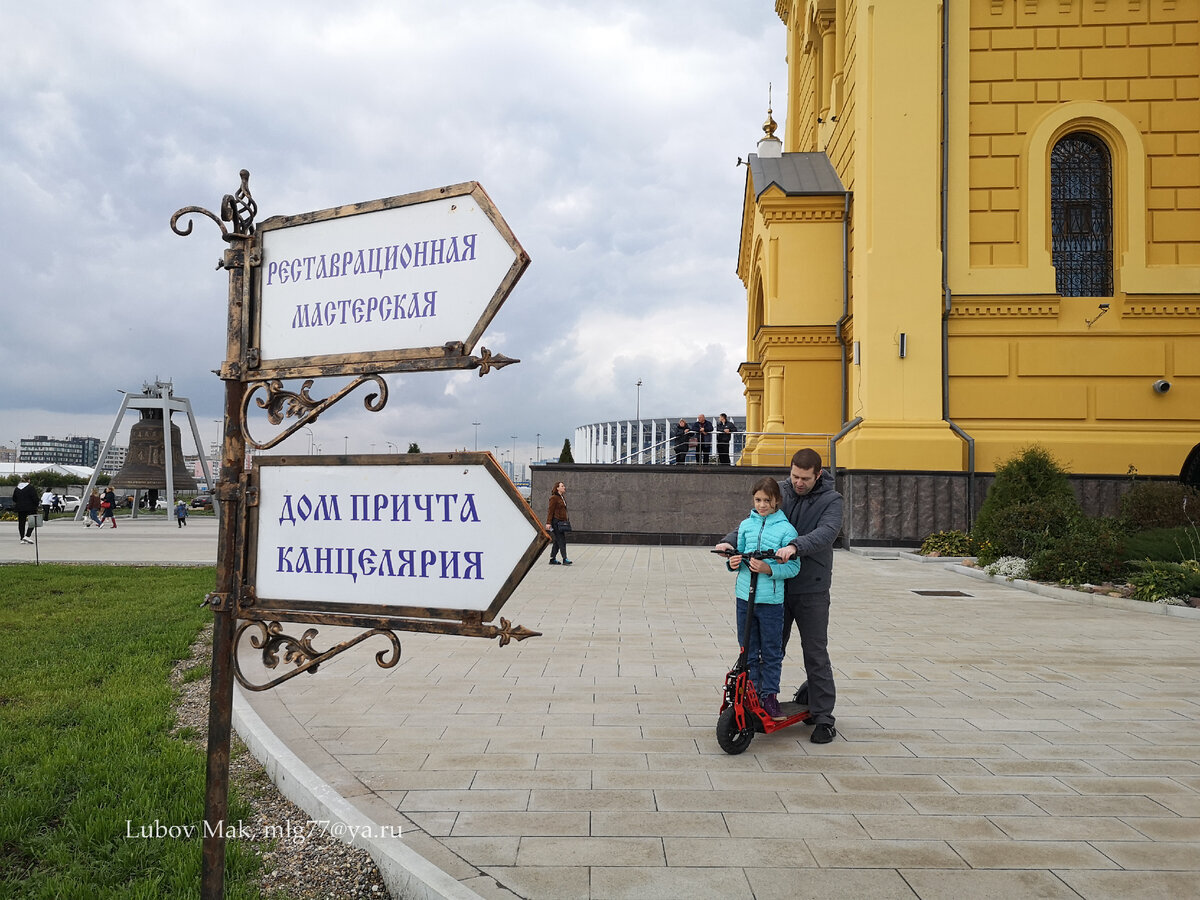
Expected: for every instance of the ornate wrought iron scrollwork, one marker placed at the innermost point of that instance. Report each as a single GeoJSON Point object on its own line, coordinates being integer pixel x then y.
{"type": "Point", "coordinates": [488, 361]}
{"type": "Point", "coordinates": [506, 632]}
{"type": "Point", "coordinates": [281, 404]}
{"type": "Point", "coordinates": [300, 652]}
{"type": "Point", "coordinates": [237, 208]}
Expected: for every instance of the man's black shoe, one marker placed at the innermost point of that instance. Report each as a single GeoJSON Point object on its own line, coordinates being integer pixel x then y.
{"type": "Point", "coordinates": [823, 733]}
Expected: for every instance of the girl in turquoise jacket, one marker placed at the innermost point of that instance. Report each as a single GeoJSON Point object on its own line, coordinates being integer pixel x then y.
{"type": "Point", "coordinates": [766, 528]}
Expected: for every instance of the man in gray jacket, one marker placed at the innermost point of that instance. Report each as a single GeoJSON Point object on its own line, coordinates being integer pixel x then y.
{"type": "Point", "coordinates": [815, 509]}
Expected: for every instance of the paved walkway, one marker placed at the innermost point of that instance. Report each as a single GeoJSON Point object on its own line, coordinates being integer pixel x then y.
{"type": "Point", "coordinates": [994, 744]}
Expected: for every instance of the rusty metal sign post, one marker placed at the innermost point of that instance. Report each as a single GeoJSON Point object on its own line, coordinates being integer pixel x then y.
{"type": "Point", "coordinates": [361, 291]}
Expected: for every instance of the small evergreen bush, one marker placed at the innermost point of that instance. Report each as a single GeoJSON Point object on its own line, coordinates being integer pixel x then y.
{"type": "Point", "coordinates": [948, 543]}
{"type": "Point", "coordinates": [1028, 506]}
{"type": "Point", "coordinates": [1025, 529]}
{"type": "Point", "coordinates": [1089, 552]}
{"type": "Point", "coordinates": [1159, 504]}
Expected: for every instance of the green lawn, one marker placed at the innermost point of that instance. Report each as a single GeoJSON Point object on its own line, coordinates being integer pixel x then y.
{"type": "Point", "coordinates": [86, 757]}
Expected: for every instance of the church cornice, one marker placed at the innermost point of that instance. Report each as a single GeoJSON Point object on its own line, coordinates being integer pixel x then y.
{"type": "Point", "coordinates": [795, 335]}
{"type": "Point", "coordinates": [1005, 309]}
{"type": "Point", "coordinates": [1161, 310]}
{"type": "Point", "coordinates": [772, 215]}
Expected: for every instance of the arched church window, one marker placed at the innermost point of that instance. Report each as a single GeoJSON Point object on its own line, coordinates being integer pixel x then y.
{"type": "Point", "coordinates": [1081, 216]}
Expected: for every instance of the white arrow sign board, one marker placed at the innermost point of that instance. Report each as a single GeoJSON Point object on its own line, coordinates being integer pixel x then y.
{"type": "Point", "coordinates": [446, 535]}
{"type": "Point", "coordinates": [411, 273]}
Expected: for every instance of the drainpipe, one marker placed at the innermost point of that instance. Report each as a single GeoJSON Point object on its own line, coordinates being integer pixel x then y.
{"type": "Point", "coordinates": [946, 294]}
{"type": "Point", "coordinates": [841, 323]}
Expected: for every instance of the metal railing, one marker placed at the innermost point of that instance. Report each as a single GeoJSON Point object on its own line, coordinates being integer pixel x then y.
{"type": "Point", "coordinates": [664, 453]}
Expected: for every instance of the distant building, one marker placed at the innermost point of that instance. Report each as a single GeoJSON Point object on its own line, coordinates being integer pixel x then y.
{"type": "Point", "coordinates": [8, 454]}
{"type": "Point", "coordinates": [618, 442]}
{"type": "Point", "coordinates": [71, 451]}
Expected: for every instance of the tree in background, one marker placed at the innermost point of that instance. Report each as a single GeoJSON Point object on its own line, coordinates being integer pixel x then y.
{"type": "Point", "coordinates": [565, 456]}
{"type": "Point", "coordinates": [413, 448]}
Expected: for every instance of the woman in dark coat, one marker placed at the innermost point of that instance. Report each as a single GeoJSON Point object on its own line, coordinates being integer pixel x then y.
{"type": "Point", "coordinates": [558, 523]}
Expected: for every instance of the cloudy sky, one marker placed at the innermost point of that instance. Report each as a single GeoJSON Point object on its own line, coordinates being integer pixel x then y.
{"type": "Point", "coordinates": [606, 134]}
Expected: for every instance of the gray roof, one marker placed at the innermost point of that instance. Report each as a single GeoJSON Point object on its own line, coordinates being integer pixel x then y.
{"type": "Point", "coordinates": [794, 174]}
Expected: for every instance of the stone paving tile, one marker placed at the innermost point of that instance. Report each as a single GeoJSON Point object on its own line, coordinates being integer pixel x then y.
{"type": "Point", "coordinates": [929, 828]}
{"type": "Point", "coordinates": [541, 883]}
{"type": "Point", "coordinates": [485, 851]}
{"type": "Point", "coordinates": [772, 825]}
{"type": "Point", "coordinates": [591, 800]}
{"type": "Point", "coordinates": [696, 780]}
{"type": "Point", "coordinates": [881, 854]}
{"type": "Point", "coordinates": [973, 805]}
{"type": "Point", "coordinates": [869, 804]}
{"type": "Point", "coordinates": [591, 851]}
{"type": "Point", "coordinates": [1165, 829]}
{"type": "Point", "coordinates": [1163, 856]}
{"type": "Point", "coordinates": [464, 800]}
{"type": "Point", "coordinates": [1075, 828]}
{"type": "Point", "coordinates": [747, 852]}
{"type": "Point", "coordinates": [1032, 854]}
{"type": "Point", "coordinates": [1065, 805]}
{"type": "Point", "coordinates": [474, 823]}
{"type": "Point", "coordinates": [1122, 885]}
{"type": "Point", "coordinates": [718, 801]}
{"type": "Point", "coordinates": [825, 884]}
{"type": "Point", "coordinates": [559, 779]}
{"type": "Point", "coordinates": [664, 824]}
{"type": "Point", "coordinates": [669, 884]}
{"type": "Point", "coordinates": [768, 781]}
{"type": "Point", "coordinates": [932, 884]}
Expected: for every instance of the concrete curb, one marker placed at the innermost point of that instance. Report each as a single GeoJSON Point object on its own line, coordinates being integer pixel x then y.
{"type": "Point", "coordinates": [406, 873]}
{"type": "Point", "coordinates": [1058, 593]}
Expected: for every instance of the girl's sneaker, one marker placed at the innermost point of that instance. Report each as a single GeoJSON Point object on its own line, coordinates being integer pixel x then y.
{"type": "Point", "coordinates": [770, 705]}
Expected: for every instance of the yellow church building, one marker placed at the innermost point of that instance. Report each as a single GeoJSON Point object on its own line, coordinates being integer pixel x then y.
{"type": "Point", "coordinates": [979, 229]}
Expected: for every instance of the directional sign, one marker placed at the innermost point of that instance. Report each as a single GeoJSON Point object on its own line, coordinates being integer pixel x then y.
{"type": "Point", "coordinates": [440, 535]}
{"type": "Point", "coordinates": [369, 285]}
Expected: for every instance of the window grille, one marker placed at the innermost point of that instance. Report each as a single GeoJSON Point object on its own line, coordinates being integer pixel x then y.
{"type": "Point", "coordinates": [1081, 216]}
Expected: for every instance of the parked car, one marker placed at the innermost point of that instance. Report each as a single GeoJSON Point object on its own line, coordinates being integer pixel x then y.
{"type": "Point", "coordinates": [203, 501]}
{"type": "Point", "coordinates": [70, 503]}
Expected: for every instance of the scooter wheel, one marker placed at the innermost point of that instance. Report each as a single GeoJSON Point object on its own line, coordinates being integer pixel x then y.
{"type": "Point", "coordinates": [732, 740]}
{"type": "Point", "coordinates": [802, 694]}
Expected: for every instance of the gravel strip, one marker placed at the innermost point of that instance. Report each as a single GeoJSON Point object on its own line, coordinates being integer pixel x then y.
{"type": "Point", "coordinates": [311, 864]}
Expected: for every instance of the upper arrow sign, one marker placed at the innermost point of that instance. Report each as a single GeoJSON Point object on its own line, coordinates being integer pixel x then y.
{"type": "Point", "coordinates": [375, 286]}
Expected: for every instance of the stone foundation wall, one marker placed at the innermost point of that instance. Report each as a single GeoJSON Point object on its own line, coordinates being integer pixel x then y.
{"type": "Point", "coordinates": [696, 505]}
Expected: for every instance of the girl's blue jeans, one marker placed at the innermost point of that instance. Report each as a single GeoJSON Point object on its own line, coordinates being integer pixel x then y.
{"type": "Point", "coordinates": [764, 648]}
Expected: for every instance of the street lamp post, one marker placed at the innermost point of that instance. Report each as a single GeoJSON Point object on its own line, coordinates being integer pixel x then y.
{"type": "Point", "coordinates": [476, 424]}
{"type": "Point", "coordinates": [638, 419]}
{"type": "Point", "coordinates": [310, 440]}
{"type": "Point", "coordinates": [395, 449]}
{"type": "Point", "coordinates": [346, 445]}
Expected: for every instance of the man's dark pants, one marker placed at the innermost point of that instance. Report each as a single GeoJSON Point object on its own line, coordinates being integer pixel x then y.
{"type": "Point", "coordinates": [810, 612]}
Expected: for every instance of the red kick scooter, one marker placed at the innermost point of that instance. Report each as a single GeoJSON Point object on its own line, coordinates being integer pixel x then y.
{"type": "Point", "coordinates": [741, 713]}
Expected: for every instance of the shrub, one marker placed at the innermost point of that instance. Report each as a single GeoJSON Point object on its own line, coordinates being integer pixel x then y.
{"type": "Point", "coordinates": [1027, 506]}
{"type": "Point", "coordinates": [1160, 582]}
{"type": "Point", "coordinates": [1159, 504]}
{"type": "Point", "coordinates": [1165, 544]}
{"type": "Point", "coordinates": [1025, 529]}
{"type": "Point", "coordinates": [1089, 552]}
{"type": "Point", "coordinates": [948, 543]}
